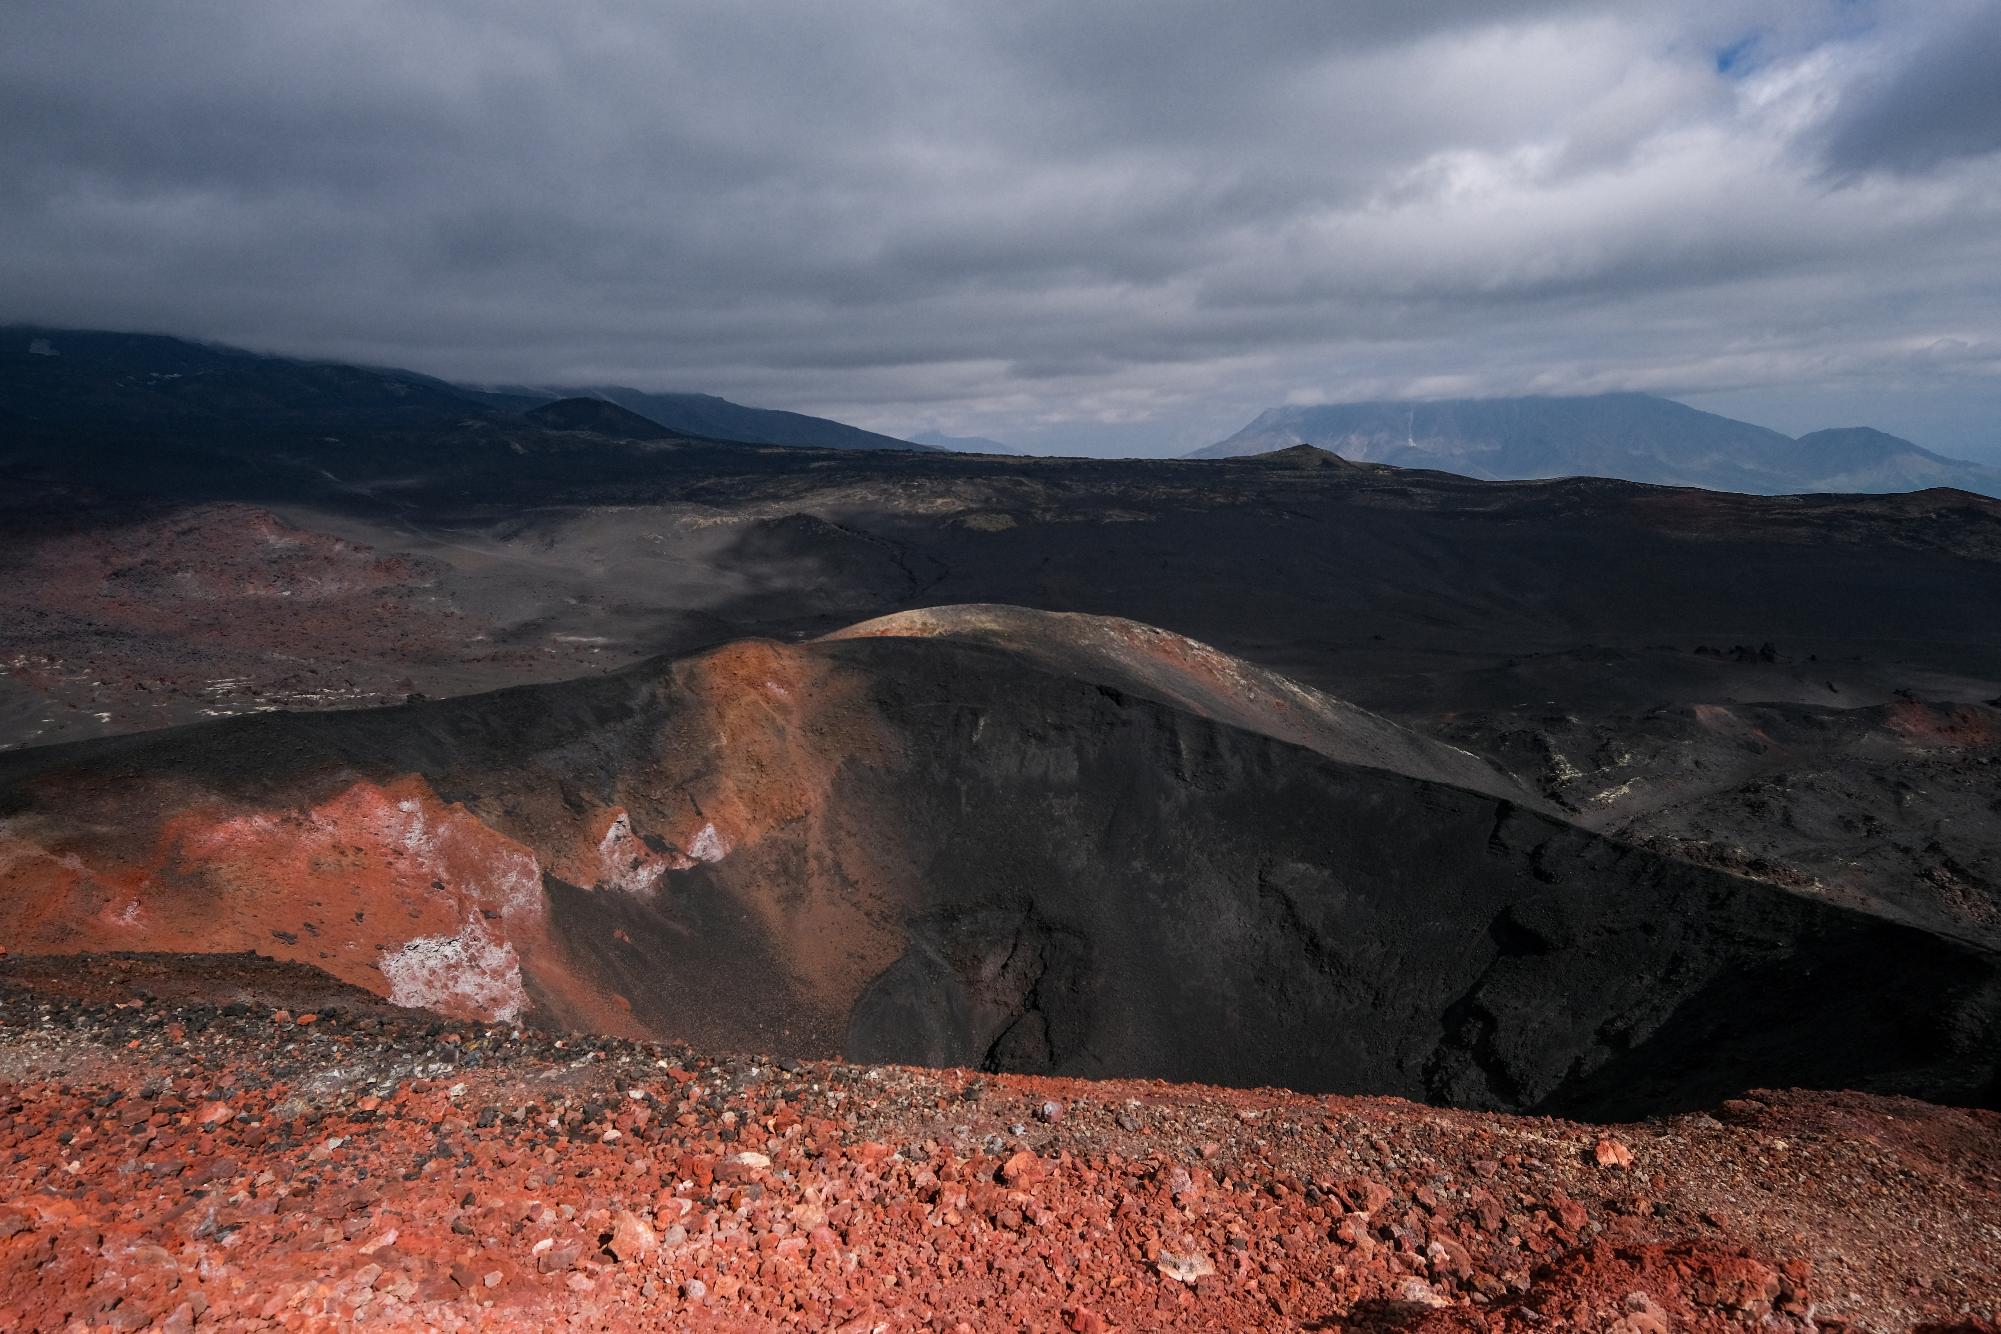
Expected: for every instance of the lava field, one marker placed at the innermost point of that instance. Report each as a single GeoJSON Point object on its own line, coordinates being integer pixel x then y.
{"type": "Point", "coordinates": [560, 875]}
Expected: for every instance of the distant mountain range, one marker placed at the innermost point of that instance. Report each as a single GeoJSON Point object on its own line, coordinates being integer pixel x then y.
{"type": "Point", "coordinates": [171, 403]}
{"type": "Point", "coordinates": [1638, 437]}
{"type": "Point", "coordinates": [92, 379]}
{"type": "Point", "coordinates": [710, 418]}
{"type": "Point", "coordinates": [152, 384]}
{"type": "Point", "coordinates": [965, 444]}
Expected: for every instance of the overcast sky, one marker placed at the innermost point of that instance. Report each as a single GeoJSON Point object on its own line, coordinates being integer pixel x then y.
{"type": "Point", "coordinates": [1113, 227]}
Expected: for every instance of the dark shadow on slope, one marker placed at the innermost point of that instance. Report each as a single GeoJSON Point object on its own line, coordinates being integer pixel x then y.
{"type": "Point", "coordinates": [1832, 1016]}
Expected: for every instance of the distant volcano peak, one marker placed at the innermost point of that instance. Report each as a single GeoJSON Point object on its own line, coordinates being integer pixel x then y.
{"type": "Point", "coordinates": [1629, 436]}
{"type": "Point", "coordinates": [1300, 456]}
{"type": "Point", "coordinates": [598, 416]}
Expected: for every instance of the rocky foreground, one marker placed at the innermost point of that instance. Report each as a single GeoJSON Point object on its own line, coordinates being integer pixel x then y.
{"type": "Point", "coordinates": [232, 1143]}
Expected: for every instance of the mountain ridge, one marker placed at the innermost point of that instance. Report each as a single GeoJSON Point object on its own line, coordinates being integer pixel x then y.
{"type": "Point", "coordinates": [715, 418]}
{"type": "Point", "coordinates": [89, 379]}
{"type": "Point", "coordinates": [1630, 436]}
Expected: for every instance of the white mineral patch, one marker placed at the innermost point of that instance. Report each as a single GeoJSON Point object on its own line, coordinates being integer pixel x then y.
{"type": "Point", "coordinates": [708, 845]}
{"type": "Point", "coordinates": [472, 971]}
{"type": "Point", "coordinates": [625, 862]}
{"type": "Point", "coordinates": [516, 886]}
{"type": "Point", "coordinates": [513, 880]}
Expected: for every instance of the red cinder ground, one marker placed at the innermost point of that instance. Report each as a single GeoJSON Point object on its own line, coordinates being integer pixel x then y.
{"type": "Point", "coordinates": [232, 1143]}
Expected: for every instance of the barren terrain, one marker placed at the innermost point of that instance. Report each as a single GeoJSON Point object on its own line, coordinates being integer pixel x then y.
{"type": "Point", "coordinates": [471, 867]}
{"type": "Point", "coordinates": [227, 1143]}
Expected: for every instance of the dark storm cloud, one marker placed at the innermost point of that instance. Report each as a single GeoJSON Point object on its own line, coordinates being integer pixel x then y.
{"type": "Point", "coordinates": [1122, 222]}
{"type": "Point", "coordinates": [1941, 101]}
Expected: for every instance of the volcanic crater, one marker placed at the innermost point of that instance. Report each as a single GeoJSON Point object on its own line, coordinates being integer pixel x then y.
{"type": "Point", "coordinates": [993, 838]}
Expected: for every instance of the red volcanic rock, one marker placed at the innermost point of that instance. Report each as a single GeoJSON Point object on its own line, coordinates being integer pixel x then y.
{"type": "Point", "coordinates": [1646, 1289]}
{"type": "Point", "coordinates": [220, 609]}
{"type": "Point", "coordinates": [1738, 1283]}
{"type": "Point", "coordinates": [1366, 1196]}
{"type": "Point", "coordinates": [1610, 1152]}
{"type": "Point", "coordinates": [554, 1258]}
{"type": "Point", "coordinates": [1569, 1213]}
{"type": "Point", "coordinates": [1023, 1168]}
{"type": "Point", "coordinates": [432, 904]}
{"type": "Point", "coordinates": [481, 1192]}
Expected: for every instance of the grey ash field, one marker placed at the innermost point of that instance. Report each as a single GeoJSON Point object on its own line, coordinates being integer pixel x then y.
{"type": "Point", "coordinates": [1578, 797]}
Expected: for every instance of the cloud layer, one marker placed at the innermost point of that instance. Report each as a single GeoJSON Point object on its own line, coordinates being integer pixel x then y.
{"type": "Point", "coordinates": [1123, 226]}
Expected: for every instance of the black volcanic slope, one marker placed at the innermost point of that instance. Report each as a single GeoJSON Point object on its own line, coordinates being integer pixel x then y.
{"type": "Point", "coordinates": [931, 849]}
{"type": "Point", "coordinates": [710, 417]}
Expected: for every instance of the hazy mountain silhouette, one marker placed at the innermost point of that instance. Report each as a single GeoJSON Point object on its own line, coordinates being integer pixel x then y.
{"type": "Point", "coordinates": [1637, 437]}
{"type": "Point", "coordinates": [965, 444]}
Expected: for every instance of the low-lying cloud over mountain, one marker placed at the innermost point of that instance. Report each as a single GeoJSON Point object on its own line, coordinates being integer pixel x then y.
{"type": "Point", "coordinates": [1634, 436]}
{"type": "Point", "coordinates": [1119, 227]}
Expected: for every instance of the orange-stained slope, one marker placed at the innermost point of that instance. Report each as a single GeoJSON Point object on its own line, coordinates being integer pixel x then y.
{"type": "Point", "coordinates": [382, 885]}
{"type": "Point", "coordinates": [387, 886]}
